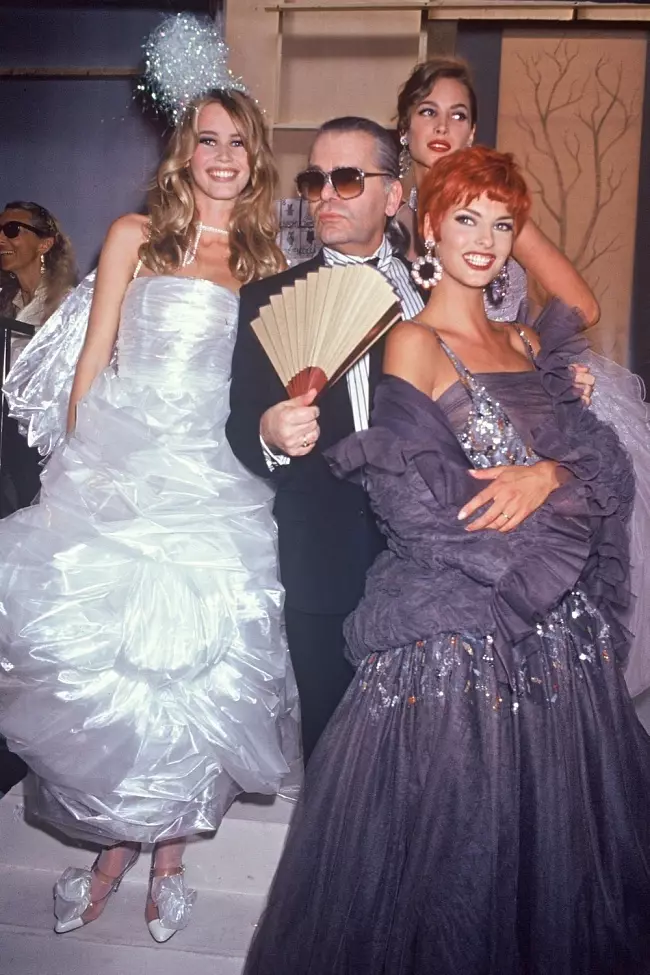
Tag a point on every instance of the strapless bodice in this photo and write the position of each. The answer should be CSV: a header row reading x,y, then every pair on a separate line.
x,y
177,333
159,607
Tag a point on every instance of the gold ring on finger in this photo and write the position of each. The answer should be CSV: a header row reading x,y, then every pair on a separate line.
x,y
305,442
504,515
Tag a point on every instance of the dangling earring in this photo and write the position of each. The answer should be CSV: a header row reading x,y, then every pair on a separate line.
x,y
404,156
435,274
42,263
498,288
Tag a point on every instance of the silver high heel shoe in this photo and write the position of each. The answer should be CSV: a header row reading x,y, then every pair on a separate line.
x,y
72,895
169,904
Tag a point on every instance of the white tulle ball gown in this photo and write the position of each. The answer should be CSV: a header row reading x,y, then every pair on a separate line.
x,y
145,677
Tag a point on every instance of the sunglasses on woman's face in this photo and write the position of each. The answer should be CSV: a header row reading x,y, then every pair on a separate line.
x,y
347,182
12,228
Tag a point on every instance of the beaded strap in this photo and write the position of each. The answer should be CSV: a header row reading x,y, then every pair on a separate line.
x,y
465,376
527,343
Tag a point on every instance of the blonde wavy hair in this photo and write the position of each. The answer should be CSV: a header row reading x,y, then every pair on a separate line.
x,y
172,208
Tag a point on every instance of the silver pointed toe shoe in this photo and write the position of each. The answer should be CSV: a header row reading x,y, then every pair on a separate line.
x,y
73,907
169,904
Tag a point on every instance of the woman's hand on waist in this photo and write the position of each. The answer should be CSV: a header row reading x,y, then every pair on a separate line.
x,y
513,493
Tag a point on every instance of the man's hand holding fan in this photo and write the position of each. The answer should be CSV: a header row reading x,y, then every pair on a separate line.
x,y
313,332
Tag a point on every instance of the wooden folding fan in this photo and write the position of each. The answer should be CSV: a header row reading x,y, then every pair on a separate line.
x,y
317,328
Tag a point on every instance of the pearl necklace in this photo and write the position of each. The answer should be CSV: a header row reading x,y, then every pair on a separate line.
x,y
190,257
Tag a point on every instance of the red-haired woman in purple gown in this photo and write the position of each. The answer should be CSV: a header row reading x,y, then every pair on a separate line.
x,y
480,802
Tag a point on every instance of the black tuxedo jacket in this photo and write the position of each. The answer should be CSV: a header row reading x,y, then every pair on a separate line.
x,y
328,537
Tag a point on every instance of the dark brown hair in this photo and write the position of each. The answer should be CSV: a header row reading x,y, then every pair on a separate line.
x,y
422,79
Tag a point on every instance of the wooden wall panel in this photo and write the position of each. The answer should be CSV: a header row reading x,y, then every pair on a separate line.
x,y
251,33
640,337
570,110
328,64
345,64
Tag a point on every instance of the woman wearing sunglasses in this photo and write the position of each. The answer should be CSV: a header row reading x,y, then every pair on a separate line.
x,y
37,265
37,270
437,111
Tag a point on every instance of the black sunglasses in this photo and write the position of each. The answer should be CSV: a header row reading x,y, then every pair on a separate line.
x,y
12,228
347,182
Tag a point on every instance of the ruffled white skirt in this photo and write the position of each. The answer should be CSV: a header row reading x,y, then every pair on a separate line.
x,y
146,678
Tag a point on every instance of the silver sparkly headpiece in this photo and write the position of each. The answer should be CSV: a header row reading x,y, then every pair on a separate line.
x,y
185,58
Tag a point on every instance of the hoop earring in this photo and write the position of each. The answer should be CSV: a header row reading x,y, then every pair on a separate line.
x,y
498,288
404,156
42,263
435,273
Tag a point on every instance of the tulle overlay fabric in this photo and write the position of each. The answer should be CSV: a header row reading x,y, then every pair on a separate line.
x,y
619,401
37,389
146,678
480,802
441,831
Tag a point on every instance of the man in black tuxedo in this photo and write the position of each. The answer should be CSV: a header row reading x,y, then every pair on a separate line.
x,y
328,538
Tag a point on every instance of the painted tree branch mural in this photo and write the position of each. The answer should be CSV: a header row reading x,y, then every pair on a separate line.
x,y
573,117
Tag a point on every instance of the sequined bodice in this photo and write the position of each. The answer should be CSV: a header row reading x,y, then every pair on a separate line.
x,y
177,333
488,436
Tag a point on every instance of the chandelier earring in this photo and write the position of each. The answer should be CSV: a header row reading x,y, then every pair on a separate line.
x,y
42,260
431,262
404,156
498,288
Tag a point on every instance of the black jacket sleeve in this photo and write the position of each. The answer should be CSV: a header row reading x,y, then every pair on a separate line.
x,y
254,388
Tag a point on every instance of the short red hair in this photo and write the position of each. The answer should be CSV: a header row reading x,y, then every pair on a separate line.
x,y
462,176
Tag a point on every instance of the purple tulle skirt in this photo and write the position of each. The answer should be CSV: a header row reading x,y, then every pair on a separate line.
x,y
454,825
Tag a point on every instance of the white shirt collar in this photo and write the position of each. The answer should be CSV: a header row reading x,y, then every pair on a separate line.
x,y
383,255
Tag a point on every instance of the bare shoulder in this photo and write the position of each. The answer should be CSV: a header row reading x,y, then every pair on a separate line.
x,y
413,353
409,335
123,241
409,331
130,228
119,257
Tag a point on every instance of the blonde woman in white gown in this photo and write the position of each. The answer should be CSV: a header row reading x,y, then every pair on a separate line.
x,y
146,679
